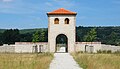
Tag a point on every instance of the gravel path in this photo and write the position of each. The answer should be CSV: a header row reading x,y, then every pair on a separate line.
x,y
63,61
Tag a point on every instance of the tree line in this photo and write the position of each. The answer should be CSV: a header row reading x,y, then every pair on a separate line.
x,y
11,36
106,35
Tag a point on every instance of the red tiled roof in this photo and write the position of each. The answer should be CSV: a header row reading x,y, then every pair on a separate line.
x,y
61,11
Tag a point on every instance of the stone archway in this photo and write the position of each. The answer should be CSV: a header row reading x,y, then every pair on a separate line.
x,y
61,43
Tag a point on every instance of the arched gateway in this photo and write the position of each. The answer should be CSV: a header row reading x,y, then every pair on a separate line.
x,y
61,43
61,30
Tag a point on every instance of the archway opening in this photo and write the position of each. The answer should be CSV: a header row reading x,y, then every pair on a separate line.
x,y
61,43
56,21
66,21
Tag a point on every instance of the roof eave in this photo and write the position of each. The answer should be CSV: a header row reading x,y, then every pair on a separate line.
x,y
61,14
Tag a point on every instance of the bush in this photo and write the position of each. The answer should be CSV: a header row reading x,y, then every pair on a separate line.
x,y
99,51
117,53
108,51
79,52
104,51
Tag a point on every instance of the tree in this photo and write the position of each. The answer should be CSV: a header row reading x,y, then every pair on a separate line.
x,y
35,37
11,36
42,36
91,35
79,35
1,39
46,35
113,38
26,37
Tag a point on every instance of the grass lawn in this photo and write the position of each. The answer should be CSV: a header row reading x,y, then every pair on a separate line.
x,y
97,61
25,61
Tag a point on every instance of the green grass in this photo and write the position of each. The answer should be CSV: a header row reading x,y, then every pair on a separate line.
x,y
97,61
25,61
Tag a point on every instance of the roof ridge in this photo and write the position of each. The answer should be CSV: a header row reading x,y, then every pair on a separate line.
x,y
62,11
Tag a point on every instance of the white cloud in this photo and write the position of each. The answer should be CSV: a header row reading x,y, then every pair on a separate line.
x,y
48,4
7,0
116,2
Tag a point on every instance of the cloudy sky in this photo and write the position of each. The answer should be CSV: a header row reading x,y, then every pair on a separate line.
x,y
24,14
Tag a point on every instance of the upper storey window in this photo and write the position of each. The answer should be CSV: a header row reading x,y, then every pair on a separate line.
x,y
56,21
66,21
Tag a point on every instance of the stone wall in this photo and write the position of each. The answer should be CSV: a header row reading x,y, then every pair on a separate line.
x,y
110,47
94,47
88,46
25,47
7,48
30,47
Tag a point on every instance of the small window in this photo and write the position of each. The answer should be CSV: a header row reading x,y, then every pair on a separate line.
x,y
56,21
66,21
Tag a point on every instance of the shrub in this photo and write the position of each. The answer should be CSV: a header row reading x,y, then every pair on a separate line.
x,y
117,53
104,51
99,51
108,51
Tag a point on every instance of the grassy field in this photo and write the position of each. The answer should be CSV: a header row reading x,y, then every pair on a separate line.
x,y
25,61
97,61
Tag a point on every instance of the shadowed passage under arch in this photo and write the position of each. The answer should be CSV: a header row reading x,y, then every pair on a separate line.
x,y
61,43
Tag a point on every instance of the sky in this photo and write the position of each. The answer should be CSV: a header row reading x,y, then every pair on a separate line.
x,y
27,14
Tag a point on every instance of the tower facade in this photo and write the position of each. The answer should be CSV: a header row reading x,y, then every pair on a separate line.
x,y
61,22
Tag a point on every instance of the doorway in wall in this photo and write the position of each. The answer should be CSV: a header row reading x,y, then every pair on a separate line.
x,y
61,43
